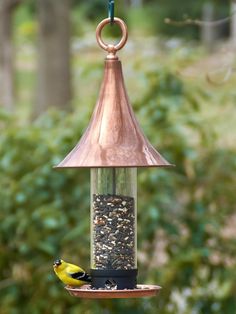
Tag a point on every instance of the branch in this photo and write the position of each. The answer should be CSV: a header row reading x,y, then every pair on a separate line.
x,y
209,78
225,79
198,22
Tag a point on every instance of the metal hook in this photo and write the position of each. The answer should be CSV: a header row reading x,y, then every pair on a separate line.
x,y
111,10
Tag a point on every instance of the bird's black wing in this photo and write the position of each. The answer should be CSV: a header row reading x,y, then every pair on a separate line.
x,y
81,276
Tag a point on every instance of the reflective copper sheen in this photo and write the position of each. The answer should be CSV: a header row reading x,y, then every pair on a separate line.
x,y
113,137
87,293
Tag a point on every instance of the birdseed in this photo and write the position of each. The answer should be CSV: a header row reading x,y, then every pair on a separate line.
x,y
113,232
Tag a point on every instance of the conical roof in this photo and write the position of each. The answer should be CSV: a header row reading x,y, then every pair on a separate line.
x,y
113,137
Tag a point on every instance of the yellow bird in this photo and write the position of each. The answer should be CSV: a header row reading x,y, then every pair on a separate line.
x,y
70,274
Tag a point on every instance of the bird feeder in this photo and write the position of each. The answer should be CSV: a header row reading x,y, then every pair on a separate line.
x,y
113,147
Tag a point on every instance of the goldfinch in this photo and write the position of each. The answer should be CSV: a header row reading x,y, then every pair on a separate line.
x,y
70,274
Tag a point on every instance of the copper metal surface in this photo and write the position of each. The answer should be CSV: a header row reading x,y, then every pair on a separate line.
x,y
113,137
88,293
112,49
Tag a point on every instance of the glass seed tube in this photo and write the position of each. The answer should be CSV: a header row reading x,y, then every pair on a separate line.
x,y
113,219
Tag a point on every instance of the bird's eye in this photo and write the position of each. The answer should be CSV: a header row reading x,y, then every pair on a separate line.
x,y
58,262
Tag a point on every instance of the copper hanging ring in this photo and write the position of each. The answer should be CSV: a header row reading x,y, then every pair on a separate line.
x,y
112,49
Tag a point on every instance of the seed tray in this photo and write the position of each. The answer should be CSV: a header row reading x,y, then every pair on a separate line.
x,y
89,293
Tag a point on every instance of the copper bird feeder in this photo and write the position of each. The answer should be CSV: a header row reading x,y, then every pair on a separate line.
x,y
113,146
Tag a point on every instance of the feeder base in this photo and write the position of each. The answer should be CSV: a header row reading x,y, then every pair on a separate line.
x,y
87,292
118,278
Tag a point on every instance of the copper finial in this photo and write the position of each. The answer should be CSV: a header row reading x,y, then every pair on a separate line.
x,y
113,137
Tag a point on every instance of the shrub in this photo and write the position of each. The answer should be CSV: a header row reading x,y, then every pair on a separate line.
x,y
185,233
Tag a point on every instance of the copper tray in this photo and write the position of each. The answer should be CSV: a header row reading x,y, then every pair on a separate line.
x,y
88,293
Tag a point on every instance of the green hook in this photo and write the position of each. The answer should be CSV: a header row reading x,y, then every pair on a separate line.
x,y
111,10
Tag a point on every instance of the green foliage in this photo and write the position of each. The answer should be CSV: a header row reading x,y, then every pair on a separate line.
x,y
192,205
40,218
186,232
24,21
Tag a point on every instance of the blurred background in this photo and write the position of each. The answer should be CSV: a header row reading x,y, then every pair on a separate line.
x,y
180,76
